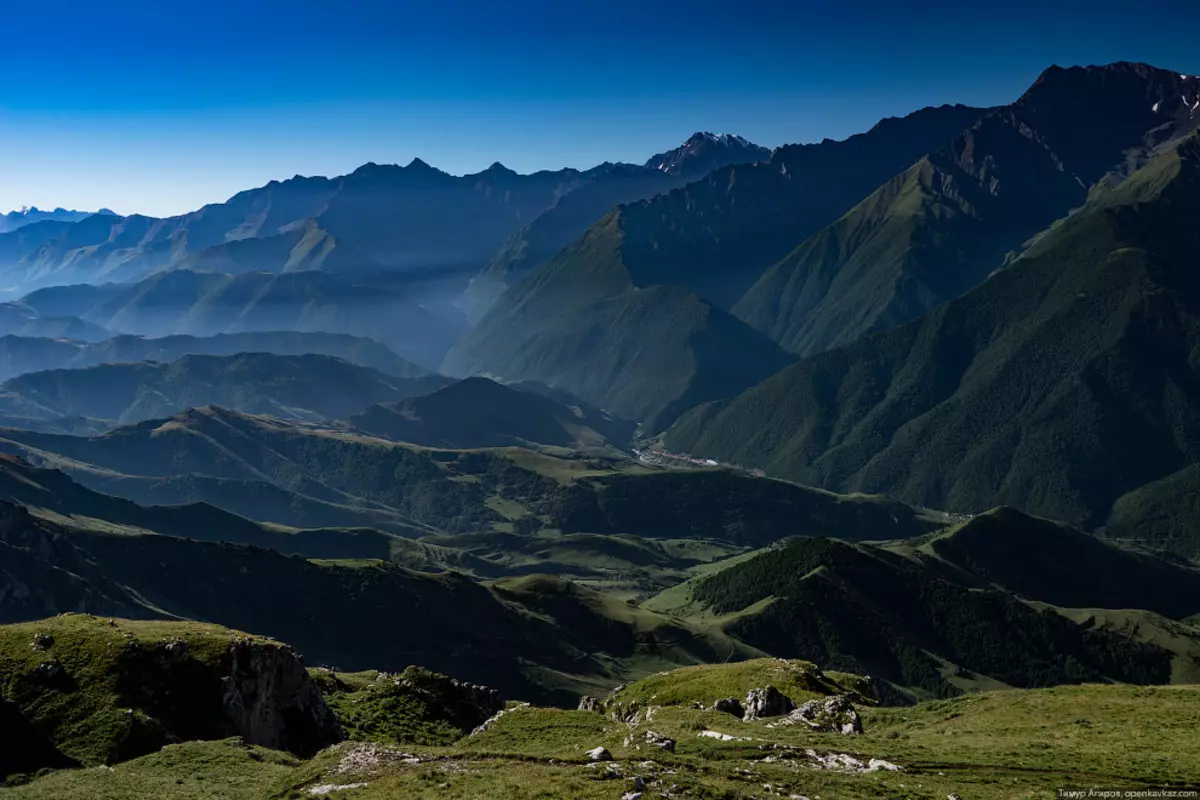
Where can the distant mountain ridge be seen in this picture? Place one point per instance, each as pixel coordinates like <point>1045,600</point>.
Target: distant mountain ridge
<point>378,218</point>
<point>28,215</point>
<point>306,387</point>
<point>208,304</point>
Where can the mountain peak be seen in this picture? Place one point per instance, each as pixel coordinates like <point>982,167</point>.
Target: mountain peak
<point>705,151</point>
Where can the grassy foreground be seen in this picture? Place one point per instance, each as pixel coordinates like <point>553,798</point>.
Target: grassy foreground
<point>1008,744</point>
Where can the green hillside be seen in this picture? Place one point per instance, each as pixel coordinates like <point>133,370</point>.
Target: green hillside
<point>1062,383</point>
<point>906,617</point>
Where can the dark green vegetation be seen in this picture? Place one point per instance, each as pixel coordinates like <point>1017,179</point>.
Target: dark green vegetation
<point>1062,383</point>
<point>948,612</point>
<point>631,317</point>
<point>940,227</point>
<point>22,354</point>
<point>477,412</point>
<point>304,387</point>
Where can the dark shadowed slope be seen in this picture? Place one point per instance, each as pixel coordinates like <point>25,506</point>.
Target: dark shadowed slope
<point>940,227</point>
<point>478,412</point>
<point>644,353</point>
<point>1060,384</point>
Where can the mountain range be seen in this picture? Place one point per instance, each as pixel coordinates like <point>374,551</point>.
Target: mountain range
<point>922,404</point>
<point>1064,381</point>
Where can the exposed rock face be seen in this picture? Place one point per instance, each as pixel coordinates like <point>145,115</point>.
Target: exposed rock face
<point>767,702</point>
<point>730,705</point>
<point>831,715</point>
<point>271,701</point>
<point>587,703</point>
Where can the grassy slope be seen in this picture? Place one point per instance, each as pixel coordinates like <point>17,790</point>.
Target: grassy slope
<point>1007,745</point>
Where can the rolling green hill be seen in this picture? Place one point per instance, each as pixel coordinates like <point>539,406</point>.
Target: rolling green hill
<point>950,614</point>
<point>534,636</point>
<point>1060,384</point>
<point>306,387</point>
<point>943,225</point>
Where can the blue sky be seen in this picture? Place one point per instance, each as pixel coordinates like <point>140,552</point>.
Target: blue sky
<point>160,106</point>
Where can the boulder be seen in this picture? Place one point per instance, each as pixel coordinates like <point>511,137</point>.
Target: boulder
<point>730,705</point>
<point>599,754</point>
<point>767,702</point>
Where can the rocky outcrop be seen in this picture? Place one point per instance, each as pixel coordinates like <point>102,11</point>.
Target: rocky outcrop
<point>588,703</point>
<point>270,699</point>
<point>831,715</point>
<point>767,702</point>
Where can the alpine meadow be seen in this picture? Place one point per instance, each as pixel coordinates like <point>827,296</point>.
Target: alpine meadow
<point>810,409</point>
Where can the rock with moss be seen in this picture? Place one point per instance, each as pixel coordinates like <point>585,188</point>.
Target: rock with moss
<point>79,689</point>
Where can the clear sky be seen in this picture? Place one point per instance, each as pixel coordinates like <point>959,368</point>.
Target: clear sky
<point>160,106</point>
